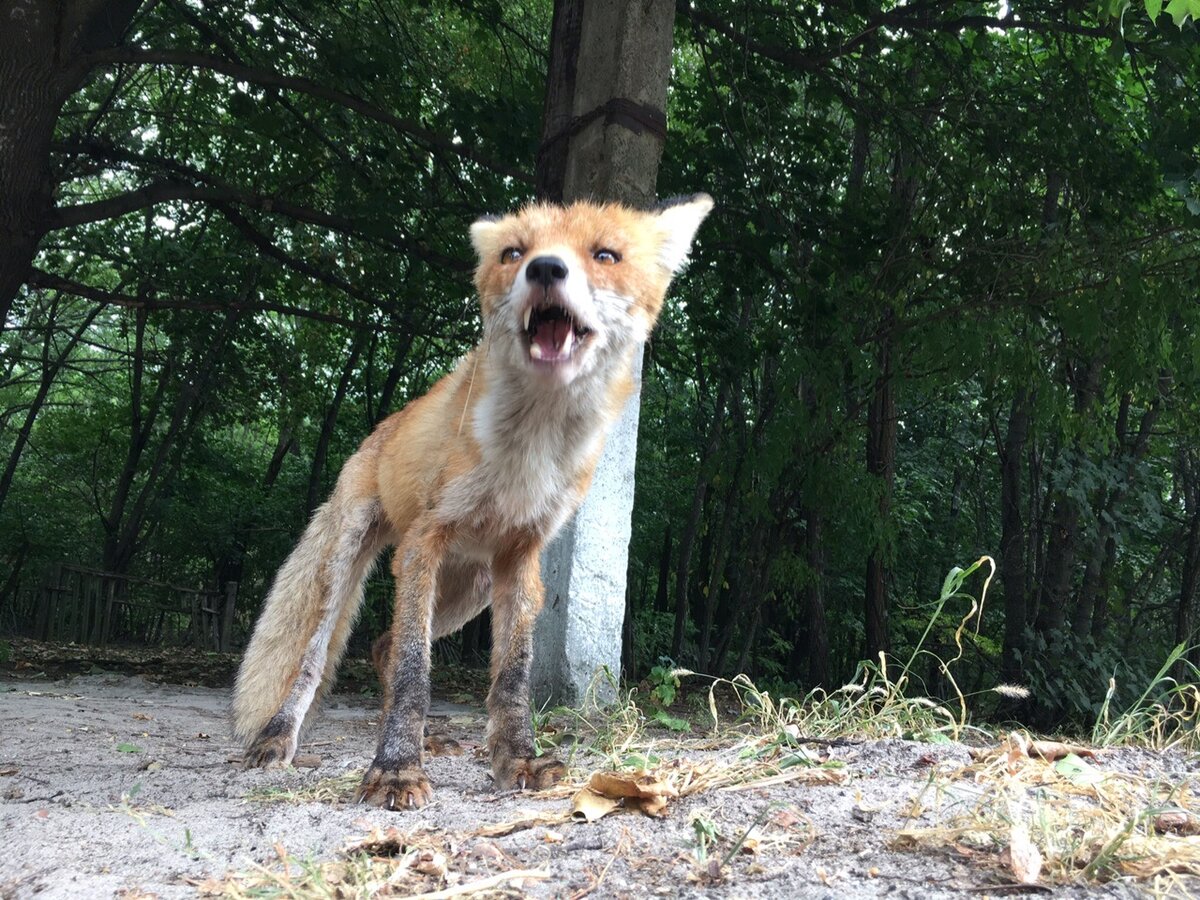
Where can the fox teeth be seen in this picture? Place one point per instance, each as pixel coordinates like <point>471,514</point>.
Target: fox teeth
<point>568,340</point>
<point>535,350</point>
<point>528,315</point>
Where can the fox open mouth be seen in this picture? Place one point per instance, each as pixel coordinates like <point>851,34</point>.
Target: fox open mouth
<point>553,332</point>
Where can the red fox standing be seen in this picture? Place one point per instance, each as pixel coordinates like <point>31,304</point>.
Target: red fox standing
<point>469,483</point>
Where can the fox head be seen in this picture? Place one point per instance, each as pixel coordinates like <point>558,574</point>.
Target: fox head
<point>566,289</point>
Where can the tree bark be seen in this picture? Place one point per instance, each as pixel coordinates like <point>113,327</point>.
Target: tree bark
<point>662,596</point>
<point>1189,584</point>
<point>614,142</point>
<point>316,475</point>
<point>1063,547</point>
<point>42,45</point>
<point>1091,606</point>
<point>814,601</point>
<point>691,528</point>
<point>881,464</point>
<point>1012,538</point>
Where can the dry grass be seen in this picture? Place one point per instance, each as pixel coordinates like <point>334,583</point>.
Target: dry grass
<point>1165,716</point>
<point>387,863</point>
<point>1038,820</point>
<point>1084,824</point>
<point>336,789</point>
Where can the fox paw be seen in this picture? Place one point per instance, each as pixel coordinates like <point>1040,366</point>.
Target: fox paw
<point>406,788</point>
<point>534,773</point>
<point>269,751</point>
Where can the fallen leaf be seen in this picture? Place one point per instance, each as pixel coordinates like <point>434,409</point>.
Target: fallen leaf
<point>430,862</point>
<point>588,806</point>
<point>378,842</point>
<point>1016,750</point>
<point>1077,771</point>
<point>8,770</point>
<point>1052,750</point>
<point>1024,858</point>
<point>1176,822</point>
<point>638,783</point>
<point>655,807</point>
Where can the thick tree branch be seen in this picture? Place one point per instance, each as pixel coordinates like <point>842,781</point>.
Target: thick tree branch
<point>915,19</point>
<point>272,251</point>
<point>48,281</point>
<point>169,190</point>
<point>265,78</point>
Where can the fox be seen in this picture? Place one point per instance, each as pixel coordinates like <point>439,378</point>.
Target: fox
<point>468,483</point>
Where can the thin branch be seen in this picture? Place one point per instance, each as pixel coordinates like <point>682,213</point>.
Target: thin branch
<point>49,281</point>
<point>901,18</point>
<point>170,190</point>
<point>267,78</point>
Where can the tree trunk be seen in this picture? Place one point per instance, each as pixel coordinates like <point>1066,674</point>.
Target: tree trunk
<point>1063,548</point>
<point>316,474</point>
<point>715,578</point>
<point>1091,606</point>
<point>1189,586</point>
<point>30,98</point>
<point>687,539</point>
<point>1012,538</point>
<point>814,601</point>
<point>881,464</point>
<point>662,596</point>
<point>42,43</point>
<point>50,370</point>
<point>615,76</point>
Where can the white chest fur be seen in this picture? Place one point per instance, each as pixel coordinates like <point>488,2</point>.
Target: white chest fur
<point>534,442</point>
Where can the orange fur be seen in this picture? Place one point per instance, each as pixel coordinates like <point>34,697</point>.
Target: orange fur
<point>469,482</point>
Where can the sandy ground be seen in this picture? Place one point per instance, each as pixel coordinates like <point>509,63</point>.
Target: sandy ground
<point>114,786</point>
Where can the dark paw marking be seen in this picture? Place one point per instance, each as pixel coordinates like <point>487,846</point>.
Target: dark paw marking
<point>533,773</point>
<point>269,751</point>
<point>406,788</point>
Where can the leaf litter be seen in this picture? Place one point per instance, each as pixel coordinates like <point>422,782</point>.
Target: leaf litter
<point>755,807</point>
<point>1048,812</point>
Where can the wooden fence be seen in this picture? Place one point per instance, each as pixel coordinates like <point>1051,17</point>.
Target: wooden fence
<point>92,607</point>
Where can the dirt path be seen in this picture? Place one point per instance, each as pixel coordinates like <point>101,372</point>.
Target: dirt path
<point>113,786</point>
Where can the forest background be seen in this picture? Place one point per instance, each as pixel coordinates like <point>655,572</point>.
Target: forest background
<point>947,306</point>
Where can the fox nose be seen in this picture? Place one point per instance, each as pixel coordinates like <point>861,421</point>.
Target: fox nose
<point>545,270</point>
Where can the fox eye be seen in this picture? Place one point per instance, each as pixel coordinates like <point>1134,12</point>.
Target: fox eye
<point>606,256</point>
<point>511,254</point>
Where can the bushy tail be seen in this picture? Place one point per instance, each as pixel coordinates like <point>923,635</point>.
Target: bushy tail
<point>309,613</point>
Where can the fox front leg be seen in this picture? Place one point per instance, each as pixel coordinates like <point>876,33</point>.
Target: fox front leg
<point>517,598</point>
<point>396,779</point>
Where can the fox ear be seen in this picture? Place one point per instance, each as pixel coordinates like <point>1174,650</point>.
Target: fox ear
<point>679,218</point>
<point>483,236</point>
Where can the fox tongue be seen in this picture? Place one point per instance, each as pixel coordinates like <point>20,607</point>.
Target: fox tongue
<point>552,340</point>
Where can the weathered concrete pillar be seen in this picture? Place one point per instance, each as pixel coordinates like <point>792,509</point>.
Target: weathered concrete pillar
<point>605,125</point>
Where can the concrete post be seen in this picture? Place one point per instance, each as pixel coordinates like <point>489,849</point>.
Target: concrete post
<point>614,138</point>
